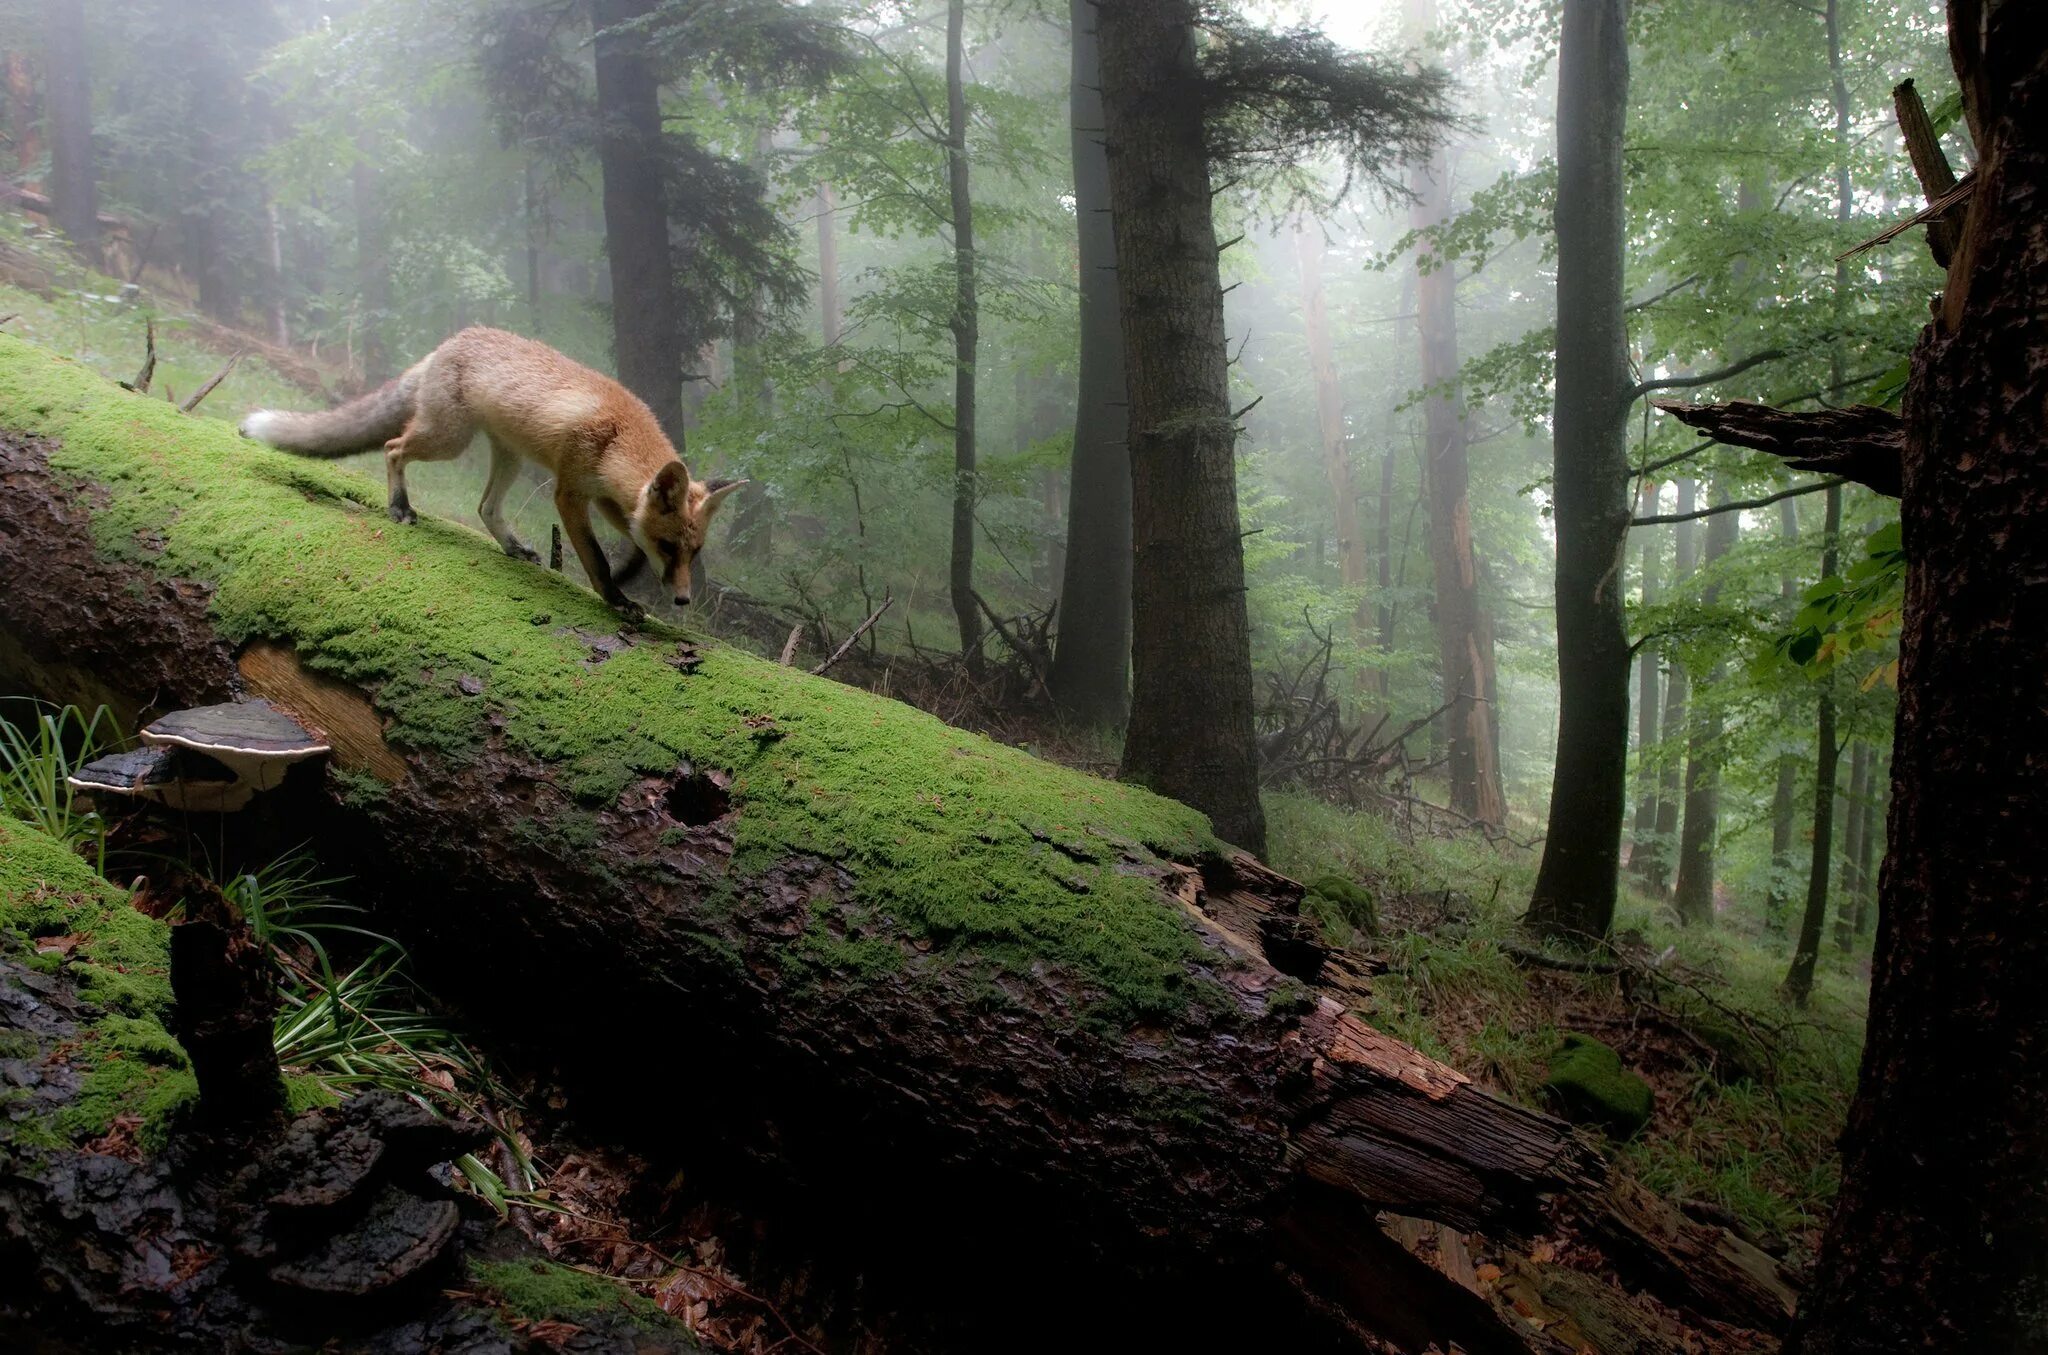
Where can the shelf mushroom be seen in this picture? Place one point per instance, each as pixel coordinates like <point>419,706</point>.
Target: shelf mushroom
<point>210,759</point>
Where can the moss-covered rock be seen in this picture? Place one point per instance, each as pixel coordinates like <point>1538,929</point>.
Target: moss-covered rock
<point>1588,1085</point>
<point>1350,900</point>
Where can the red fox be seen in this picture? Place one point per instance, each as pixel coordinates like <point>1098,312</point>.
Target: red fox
<point>600,440</point>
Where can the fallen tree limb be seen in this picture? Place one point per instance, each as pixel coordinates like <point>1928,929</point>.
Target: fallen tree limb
<point>1860,443</point>
<point>1029,1001</point>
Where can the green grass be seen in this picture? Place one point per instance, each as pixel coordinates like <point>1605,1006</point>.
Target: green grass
<point>40,747</point>
<point>85,319</point>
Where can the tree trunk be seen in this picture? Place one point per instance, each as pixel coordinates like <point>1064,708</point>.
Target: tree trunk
<point>1468,723</point>
<point>373,271</point>
<point>1091,663</point>
<point>1322,364</point>
<point>67,107</point>
<point>1677,688</point>
<point>273,241</point>
<point>1027,1023</point>
<point>1799,979</point>
<point>647,344</point>
<point>1953,1258</point>
<point>1190,734</point>
<point>1867,854</point>
<point>1575,885</point>
<point>24,120</point>
<point>1642,845</point>
<point>1856,820</point>
<point>1784,802</point>
<point>1694,894</point>
<point>966,325</point>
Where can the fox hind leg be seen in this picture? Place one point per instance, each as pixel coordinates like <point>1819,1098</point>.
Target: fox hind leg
<point>427,437</point>
<point>504,474</point>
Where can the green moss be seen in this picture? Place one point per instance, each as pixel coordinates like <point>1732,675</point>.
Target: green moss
<point>127,1061</point>
<point>1351,901</point>
<point>1589,1085</point>
<point>929,820</point>
<point>304,1092</point>
<point>537,1290</point>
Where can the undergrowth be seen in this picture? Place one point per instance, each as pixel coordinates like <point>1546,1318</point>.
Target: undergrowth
<point>1761,1149</point>
<point>351,1018</point>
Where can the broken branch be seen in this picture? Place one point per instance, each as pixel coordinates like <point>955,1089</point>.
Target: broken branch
<point>1861,443</point>
<point>192,401</point>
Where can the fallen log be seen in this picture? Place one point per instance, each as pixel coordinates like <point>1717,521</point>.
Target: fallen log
<point>922,969</point>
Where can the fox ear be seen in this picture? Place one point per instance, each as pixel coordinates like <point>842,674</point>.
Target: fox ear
<point>671,487</point>
<point>714,494</point>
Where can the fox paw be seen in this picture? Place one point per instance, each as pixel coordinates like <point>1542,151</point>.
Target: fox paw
<point>632,611</point>
<point>402,512</point>
<point>519,550</point>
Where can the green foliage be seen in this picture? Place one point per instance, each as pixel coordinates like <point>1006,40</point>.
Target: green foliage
<point>36,762</point>
<point>1857,613</point>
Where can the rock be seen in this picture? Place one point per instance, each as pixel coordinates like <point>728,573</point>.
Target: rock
<point>1589,1085</point>
<point>1351,899</point>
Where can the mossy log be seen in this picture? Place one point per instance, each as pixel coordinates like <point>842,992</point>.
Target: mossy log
<point>921,969</point>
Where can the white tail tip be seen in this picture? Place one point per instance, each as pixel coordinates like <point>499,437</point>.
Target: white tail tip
<point>259,424</point>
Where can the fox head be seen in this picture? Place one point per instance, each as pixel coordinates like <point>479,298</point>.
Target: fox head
<point>670,520</point>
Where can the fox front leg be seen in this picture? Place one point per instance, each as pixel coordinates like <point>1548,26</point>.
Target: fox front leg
<point>575,512</point>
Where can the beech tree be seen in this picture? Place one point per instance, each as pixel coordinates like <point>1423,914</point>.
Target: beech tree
<point>1575,885</point>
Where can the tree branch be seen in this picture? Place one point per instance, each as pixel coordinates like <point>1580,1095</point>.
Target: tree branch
<point>1860,443</point>
<point>1739,506</point>
<point>1642,388</point>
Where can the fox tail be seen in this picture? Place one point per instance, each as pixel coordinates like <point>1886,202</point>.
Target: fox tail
<point>362,424</point>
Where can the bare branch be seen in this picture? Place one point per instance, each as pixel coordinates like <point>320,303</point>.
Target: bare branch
<point>1861,443</point>
<point>1741,505</point>
<point>1642,388</point>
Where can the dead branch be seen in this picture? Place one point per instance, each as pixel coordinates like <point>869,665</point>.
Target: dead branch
<point>192,402</point>
<point>1930,166</point>
<point>851,640</point>
<point>796,637</point>
<point>140,385</point>
<point>1860,443</point>
<point>1740,505</point>
<point>1035,658</point>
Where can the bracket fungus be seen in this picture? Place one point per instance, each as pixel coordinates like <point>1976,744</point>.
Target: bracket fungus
<point>208,759</point>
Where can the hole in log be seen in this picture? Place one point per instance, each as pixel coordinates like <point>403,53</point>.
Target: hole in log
<point>697,798</point>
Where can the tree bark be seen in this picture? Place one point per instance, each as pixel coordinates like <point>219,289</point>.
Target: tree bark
<point>1799,979</point>
<point>966,326</point>
<point>1091,663</point>
<point>647,343</point>
<point>1575,885</point>
<point>1677,688</point>
<point>67,107</point>
<point>1953,1258</point>
<point>1694,893</point>
<point>1784,800</point>
<point>1190,734</point>
<point>708,883</point>
<point>1642,847</point>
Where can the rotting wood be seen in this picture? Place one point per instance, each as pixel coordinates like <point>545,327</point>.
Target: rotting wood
<point>338,712</point>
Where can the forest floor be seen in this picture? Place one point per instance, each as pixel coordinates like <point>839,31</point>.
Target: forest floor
<point>1750,1092</point>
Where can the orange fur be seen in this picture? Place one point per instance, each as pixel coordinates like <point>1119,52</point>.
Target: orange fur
<point>600,442</point>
